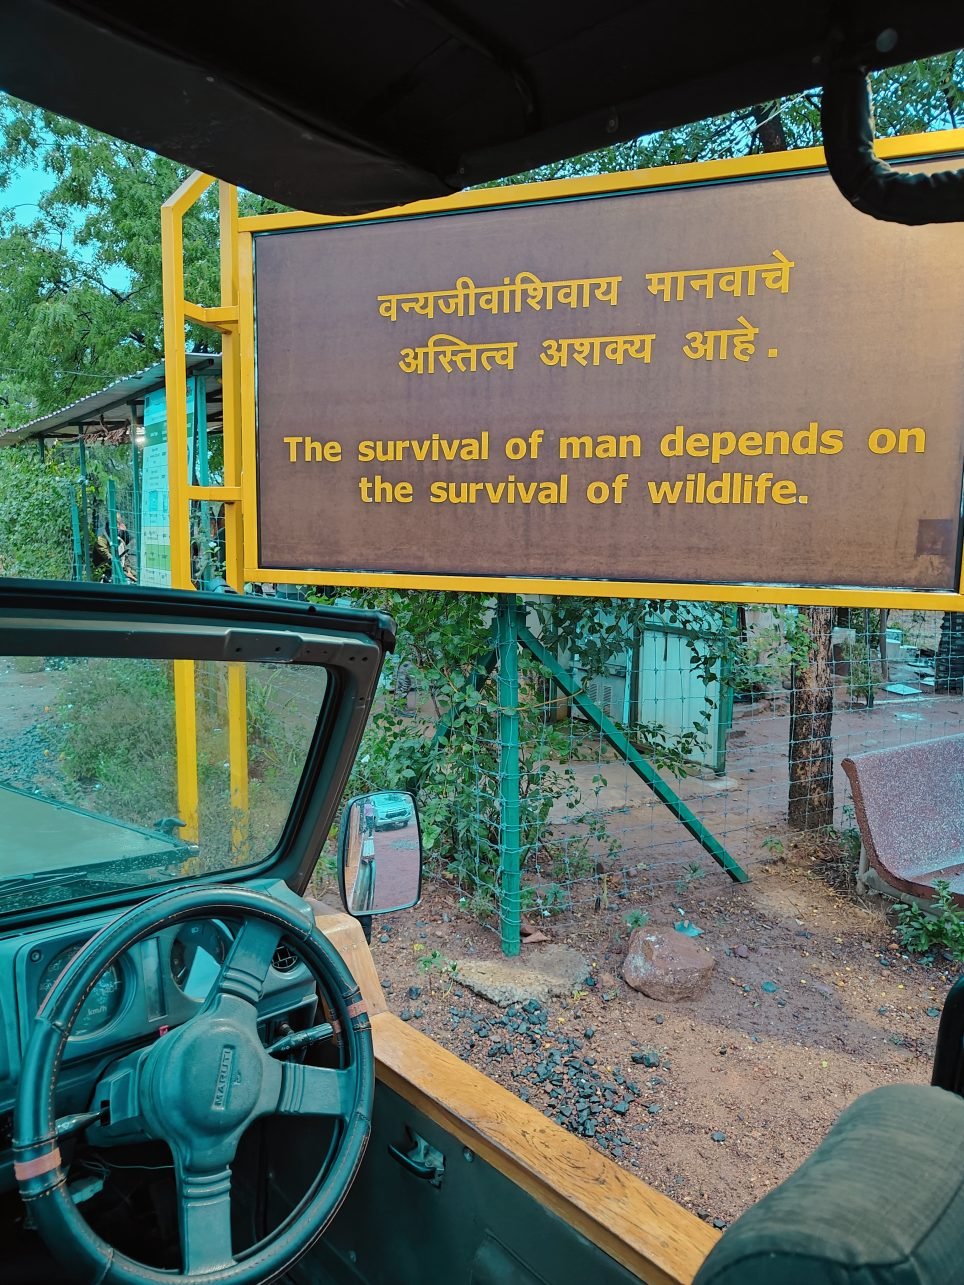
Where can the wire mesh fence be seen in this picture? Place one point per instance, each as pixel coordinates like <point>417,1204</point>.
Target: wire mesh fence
<point>108,521</point>
<point>593,831</point>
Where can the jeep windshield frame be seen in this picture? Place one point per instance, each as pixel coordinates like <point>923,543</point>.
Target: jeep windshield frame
<point>93,768</point>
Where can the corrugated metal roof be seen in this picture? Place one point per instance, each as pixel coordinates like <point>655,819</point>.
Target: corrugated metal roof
<point>90,409</point>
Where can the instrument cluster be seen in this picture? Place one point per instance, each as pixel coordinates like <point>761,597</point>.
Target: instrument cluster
<point>158,983</point>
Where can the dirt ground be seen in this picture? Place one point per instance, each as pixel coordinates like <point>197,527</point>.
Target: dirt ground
<point>713,1100</point>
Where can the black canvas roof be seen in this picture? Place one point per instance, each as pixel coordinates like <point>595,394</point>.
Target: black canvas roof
<point>344,107</point>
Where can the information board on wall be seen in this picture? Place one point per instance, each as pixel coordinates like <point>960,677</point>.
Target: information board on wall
<point>155,529</point>
<point>734,383</point>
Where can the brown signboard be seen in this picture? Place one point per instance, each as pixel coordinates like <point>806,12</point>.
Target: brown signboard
<point>726,384</point>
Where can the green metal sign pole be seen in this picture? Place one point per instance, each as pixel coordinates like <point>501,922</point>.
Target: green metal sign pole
<point>509,803</point>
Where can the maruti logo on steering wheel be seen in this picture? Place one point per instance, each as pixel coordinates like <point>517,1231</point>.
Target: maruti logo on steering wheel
<point>223,1085</point>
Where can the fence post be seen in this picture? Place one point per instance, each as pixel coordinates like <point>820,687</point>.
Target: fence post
<point>77,558</point>
<point>116,570</point>
<point>84,511</point>
<point>134,548</point>
<point>509,802</point>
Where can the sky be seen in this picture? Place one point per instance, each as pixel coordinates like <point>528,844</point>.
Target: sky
<point>22,194</point>
<point>24,191</point>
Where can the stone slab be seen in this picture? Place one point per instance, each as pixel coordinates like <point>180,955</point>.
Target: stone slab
<point>538,974</point>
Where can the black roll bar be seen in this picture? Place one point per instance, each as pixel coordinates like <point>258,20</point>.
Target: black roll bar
<point>869,184</point>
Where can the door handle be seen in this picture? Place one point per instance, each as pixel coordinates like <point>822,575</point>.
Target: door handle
<point>421,1159</point>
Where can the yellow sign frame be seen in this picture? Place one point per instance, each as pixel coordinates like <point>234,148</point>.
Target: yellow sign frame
<point>236,319</point>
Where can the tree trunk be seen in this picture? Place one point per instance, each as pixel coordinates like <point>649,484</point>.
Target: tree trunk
<point>810,804</point>
<point>769,127</point>
<point>882,645</point>
<point>811,741</point>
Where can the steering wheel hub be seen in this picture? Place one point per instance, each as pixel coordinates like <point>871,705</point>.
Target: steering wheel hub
<point>204,1078</point>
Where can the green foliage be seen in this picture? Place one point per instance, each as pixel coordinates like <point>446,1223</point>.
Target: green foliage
<point>34,514</point>
<point>849,834</point>
<point>458,777</point>
<point>117,738</point>
<point>693,873</point>
<point>433,961</point>
<point>279,727</point>
<point>81,281</point>
<point>448,752</point>
<point>762,660</point>
<point>637,919</point>
<point>940,927</point>
<point>551,899</point>
<point>862,674</point>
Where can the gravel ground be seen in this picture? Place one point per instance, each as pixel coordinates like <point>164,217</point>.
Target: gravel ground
<point>25,744</point>
<point>23,758</point>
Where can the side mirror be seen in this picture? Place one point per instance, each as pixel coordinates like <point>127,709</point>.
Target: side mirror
<point>380,854</point>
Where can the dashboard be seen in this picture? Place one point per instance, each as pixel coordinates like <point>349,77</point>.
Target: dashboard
<point>156,985</point>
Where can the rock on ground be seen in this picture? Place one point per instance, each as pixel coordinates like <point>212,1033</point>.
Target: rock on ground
<point>552,970</point>
<point>667,965</point>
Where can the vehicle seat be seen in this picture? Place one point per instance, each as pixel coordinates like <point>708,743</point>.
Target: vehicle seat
<point>880,1202</point>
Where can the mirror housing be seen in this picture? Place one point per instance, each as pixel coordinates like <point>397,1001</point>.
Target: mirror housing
<point>380,854</point>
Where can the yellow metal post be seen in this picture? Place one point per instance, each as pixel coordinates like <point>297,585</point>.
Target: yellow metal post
<point>175,382</point>
<point>225,319</point>
<point>233,531</point>
<point>175,377</point>
<point>231,385</point>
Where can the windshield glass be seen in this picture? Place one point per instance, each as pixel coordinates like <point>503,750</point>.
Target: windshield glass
<point>125,773</point>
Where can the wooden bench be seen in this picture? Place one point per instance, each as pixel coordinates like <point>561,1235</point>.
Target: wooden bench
<point>909,802</point>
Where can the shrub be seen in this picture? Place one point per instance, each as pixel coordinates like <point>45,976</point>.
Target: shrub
<point>34,515</point>
<point>940,927</point>
<point>117,735</point>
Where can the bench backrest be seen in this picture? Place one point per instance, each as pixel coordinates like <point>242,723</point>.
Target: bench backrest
<point>909,802</point>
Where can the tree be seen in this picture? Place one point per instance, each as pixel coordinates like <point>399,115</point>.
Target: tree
<point>81,281</point>
<point>810,757</point>
<point>34,515</point>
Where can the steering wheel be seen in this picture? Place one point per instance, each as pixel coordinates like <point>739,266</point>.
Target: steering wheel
<point>197,1088</point>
